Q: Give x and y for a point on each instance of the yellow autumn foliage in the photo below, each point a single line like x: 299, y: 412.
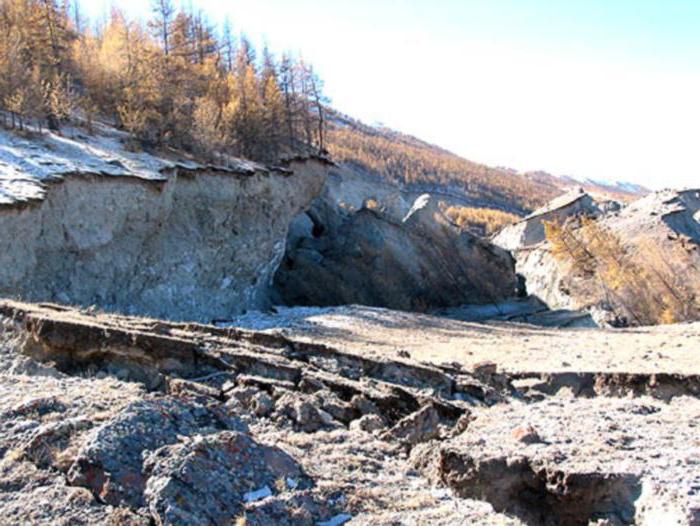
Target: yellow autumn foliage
x: 639, y: 283
x: 487, y: 220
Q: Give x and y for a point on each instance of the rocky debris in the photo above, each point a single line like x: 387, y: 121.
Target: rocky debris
x: 248, y: 427
x: 42, y: 429
x: 529, y: 231
x: 262, y: 404
x: 368, y: 423
x: 526, y: 434
x: 32, y: 496
x: 593, y: 460
x: 657, y: 361
x: 127, y: 456
x: 208, y: 479
x: 110, y: 462
x: 663, y: 227
x: 397, y: 388
x: 303, y: 508
x: 485, y: 368
x: 306, y: 416
x: 414, y: 259
x: 45, y: 441
x: 421, y: 426
x: 44, y: 420
x: 160, y: 237
x: 178, y: 388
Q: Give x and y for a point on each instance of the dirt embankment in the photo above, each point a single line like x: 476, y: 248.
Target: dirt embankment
x: 198, y: 244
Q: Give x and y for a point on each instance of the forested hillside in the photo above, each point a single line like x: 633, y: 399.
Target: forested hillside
x: 497, y: 195
x: 176, y: 80
x: 411, y: 162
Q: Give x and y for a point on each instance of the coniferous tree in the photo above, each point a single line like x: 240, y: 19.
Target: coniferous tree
x: 172, y: 82
x: 163, y: 11
x: 227, y: 46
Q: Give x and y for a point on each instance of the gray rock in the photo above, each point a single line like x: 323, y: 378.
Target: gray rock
x: 301, y: 508
x: 262, y: 404
x: 205, y: 480
x: 368, y: 423
x: 110, y: 463
x: 300, y: 409
x: 421, y: 426
x: 414, y: 261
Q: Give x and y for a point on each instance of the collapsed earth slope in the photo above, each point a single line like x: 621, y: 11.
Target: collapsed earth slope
x: 637, y: 264
x: 115, y: 420
x: 84, y: 221
x: 366, y: 242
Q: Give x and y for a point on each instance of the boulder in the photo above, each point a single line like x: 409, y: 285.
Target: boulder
x: 208, y: 479
x: 110, y: 462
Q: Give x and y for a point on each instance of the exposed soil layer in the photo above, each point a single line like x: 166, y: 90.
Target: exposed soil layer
x: 196, y: 243
x: 517, y: 349
x: 115, y: 420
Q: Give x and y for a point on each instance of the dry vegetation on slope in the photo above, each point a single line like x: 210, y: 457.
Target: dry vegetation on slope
x: 486, y: 220
x: 409, y: 162
x: 494, y: 197
x: 641, y: 282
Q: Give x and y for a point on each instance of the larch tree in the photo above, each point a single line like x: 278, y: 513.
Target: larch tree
x: 163, y: 11
x: 228, y: 45
x: 170, y: 81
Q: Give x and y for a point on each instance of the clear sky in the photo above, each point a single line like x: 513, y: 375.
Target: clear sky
x: 606, y: 89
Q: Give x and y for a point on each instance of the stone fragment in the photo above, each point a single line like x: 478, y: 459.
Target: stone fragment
x: 208, y: 479
x: 485, y: 368
x: 301, y: 411
x: 110, y: 462
x: 368, y: 423
x: 48, y: 439
x: 364, y: 405
x: 262, y: 404
x: 526, y: 434
x: 301, y: 508
x: 179, y: 387
x: 421, y: 426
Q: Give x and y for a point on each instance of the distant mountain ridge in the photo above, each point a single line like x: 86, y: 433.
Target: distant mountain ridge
x: 619, y: 190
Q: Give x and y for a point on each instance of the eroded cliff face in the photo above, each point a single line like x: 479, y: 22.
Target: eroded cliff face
x: 530, y: 230
x: 389, y: 254
x: 197, y: 243
x: 656, y: 241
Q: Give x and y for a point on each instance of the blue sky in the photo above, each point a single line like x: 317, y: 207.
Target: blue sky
x: 601, y: 89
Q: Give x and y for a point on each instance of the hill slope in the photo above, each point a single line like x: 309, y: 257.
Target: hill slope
x: 418, y: 166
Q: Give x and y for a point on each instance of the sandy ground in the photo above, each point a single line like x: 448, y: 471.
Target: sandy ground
x: 516, y: 348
